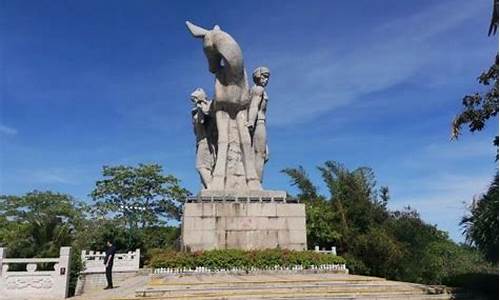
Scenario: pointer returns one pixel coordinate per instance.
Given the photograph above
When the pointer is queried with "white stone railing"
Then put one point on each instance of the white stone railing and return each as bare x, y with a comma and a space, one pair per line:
333, 251
33, 284
298, 268
94, 261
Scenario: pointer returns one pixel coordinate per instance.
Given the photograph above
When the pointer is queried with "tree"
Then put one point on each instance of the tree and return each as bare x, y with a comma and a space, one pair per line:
481, 226
353, 196
494, 19
376, 241
479, 108
414, 236
139, 196
299, 178
380, 252
384, 195
320, 221
39, 223
319, 217
352, 207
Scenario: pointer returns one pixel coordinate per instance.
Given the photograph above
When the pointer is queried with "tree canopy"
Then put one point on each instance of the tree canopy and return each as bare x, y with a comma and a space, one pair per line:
355, 218
39, 223
481, 226
140, 196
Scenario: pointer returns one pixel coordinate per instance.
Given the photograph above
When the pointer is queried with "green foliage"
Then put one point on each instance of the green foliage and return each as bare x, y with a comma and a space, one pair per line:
355, 264
141, 196
481, 226
384, 196
75, 267
478, 109
444, 260
165, 237
38, 224
232, 258
308, 191
98, 231
374, 240
319, 223
414, 237
353, 201
381, 253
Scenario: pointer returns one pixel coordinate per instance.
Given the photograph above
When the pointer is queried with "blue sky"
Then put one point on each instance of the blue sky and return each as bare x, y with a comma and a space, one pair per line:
367, 83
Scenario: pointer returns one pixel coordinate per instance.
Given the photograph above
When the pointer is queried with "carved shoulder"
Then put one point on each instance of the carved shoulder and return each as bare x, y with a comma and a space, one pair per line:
257, 90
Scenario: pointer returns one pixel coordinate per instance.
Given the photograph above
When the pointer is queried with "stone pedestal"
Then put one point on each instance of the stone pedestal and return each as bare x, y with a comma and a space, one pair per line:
242, 195
243, 225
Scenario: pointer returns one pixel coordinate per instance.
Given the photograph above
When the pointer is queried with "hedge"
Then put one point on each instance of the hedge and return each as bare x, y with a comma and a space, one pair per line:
232, 258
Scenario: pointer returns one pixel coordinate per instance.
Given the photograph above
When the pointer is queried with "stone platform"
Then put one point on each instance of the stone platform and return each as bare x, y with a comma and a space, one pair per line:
265, 195
243, 225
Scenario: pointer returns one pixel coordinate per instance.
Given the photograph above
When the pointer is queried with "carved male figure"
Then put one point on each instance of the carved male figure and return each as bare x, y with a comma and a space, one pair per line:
257, 118
204, 128
225, 60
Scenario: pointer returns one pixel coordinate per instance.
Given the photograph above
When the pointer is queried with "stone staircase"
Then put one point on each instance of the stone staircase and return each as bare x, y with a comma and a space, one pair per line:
282, 286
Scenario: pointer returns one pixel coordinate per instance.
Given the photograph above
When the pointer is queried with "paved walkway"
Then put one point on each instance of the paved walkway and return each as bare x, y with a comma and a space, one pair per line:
125, 289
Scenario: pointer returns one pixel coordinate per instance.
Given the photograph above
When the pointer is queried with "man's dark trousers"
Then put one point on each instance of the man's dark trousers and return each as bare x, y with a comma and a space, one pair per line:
109, 277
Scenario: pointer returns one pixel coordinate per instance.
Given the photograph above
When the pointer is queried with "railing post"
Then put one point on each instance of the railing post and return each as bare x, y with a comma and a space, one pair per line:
1, 260
64, 262
316, 248
334, 251
137, 258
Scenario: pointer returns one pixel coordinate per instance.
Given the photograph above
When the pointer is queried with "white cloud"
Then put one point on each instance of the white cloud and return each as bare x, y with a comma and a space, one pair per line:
8, 130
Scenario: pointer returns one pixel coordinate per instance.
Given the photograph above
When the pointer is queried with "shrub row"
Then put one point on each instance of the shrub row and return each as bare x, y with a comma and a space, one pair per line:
231, 258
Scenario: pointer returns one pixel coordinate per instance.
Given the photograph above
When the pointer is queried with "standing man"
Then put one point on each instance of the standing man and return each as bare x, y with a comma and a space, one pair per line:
108, 262
257, 118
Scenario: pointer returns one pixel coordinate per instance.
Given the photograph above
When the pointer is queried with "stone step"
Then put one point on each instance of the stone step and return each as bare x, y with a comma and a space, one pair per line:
242, 285
294, 294
235, 279
159, 285
285, 289
283, 286
294, 286
355, 297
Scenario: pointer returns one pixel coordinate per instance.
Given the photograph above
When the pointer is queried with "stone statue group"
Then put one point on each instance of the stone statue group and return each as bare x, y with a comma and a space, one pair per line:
231, 143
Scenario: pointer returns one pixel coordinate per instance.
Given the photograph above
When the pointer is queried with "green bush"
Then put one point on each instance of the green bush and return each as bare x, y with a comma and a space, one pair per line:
232, 258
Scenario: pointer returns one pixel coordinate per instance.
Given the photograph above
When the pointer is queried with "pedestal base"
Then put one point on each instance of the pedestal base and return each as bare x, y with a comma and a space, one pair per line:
243, 225
250, 194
